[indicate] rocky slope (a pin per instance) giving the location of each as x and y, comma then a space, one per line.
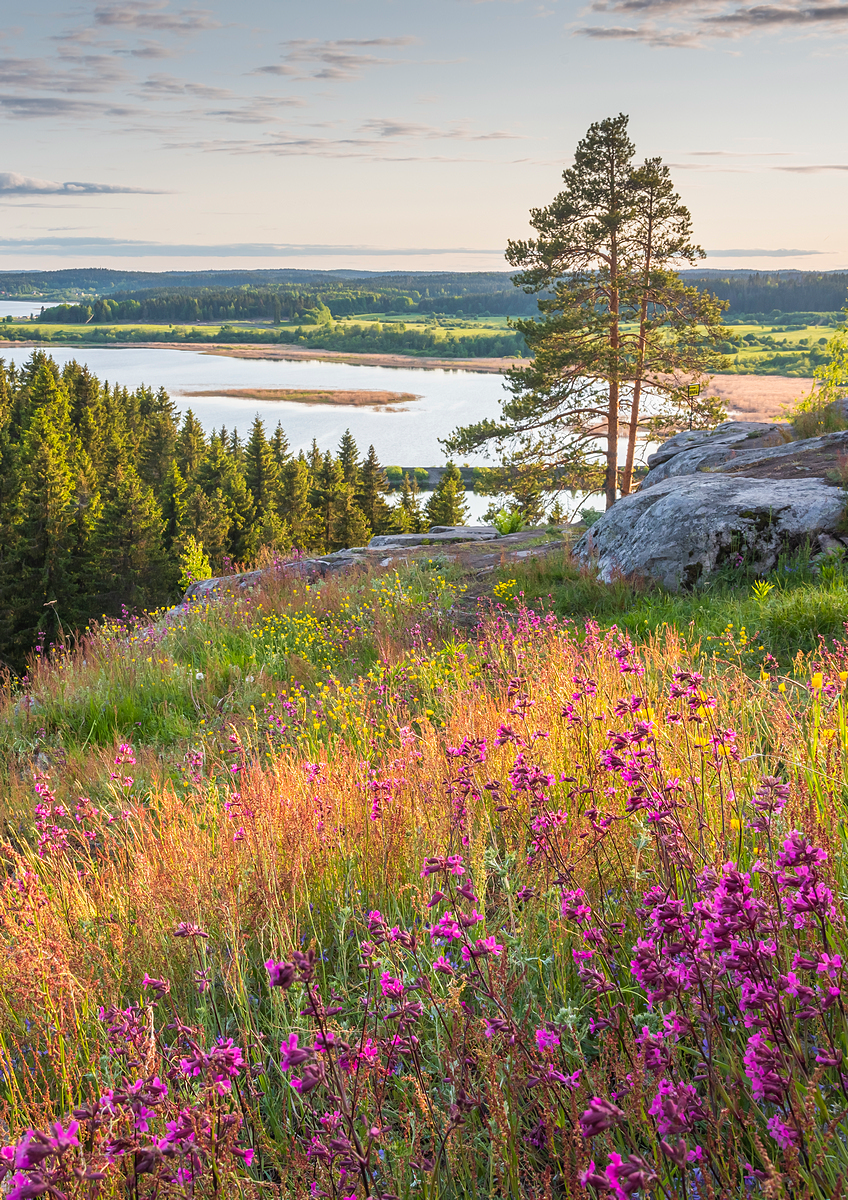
742, 489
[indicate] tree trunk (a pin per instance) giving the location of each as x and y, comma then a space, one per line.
611, 485
627, 477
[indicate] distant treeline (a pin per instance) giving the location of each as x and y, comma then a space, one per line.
185, 305
105, 497
773, 294
372, 337
105, 281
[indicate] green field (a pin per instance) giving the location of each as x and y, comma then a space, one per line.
750, 349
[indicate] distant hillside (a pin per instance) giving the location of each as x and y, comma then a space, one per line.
211, 295
774, 293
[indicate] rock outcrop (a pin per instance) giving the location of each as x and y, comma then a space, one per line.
703, 450
435, 536
684, 528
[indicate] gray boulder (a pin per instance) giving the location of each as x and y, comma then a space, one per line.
683, 529
438, 534
700, 449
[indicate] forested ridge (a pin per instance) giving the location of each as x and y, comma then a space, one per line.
168, 295
106, 500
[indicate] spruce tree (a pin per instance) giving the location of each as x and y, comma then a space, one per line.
190, 447
218, 472
447, 504
407, 516
303, 523
171, 496
158, 439
349, 458
328, 488
280, 446
128, 545
373, 485
350, 527
261, 472
208, 520
39, 582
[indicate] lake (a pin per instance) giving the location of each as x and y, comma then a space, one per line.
404, 438
20, 308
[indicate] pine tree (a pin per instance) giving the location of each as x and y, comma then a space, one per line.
614, 318
373, 485
447, 504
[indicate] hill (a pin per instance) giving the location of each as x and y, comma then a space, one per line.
308, 886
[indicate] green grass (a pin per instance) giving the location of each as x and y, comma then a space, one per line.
803, 605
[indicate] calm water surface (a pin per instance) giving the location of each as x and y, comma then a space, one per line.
406, 437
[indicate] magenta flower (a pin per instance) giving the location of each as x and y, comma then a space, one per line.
291, 1055
545, 1040
391, 986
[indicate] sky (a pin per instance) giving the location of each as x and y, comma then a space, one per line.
417, 134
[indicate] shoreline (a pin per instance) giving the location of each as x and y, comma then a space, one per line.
747, 397
485, 366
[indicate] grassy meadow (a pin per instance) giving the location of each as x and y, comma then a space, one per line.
312, 892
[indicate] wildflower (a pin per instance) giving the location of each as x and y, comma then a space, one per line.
291, 1055
442, 966
390, 986
186, 930
199, 675
574, 907
160, 986
481, 948
545, 1040
282, 974
783, 1134
599, 1116
675, 1107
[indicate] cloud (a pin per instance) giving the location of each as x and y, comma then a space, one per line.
376, 140
152, 14
92, 73
340, 59
13, 184
150, 49
84, 246
55, 107
642, 33
161, 85
691, 23
764, 16
762, 253
649, 6
815, 168
384, 128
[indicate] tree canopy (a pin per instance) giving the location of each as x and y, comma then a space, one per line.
617, 324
